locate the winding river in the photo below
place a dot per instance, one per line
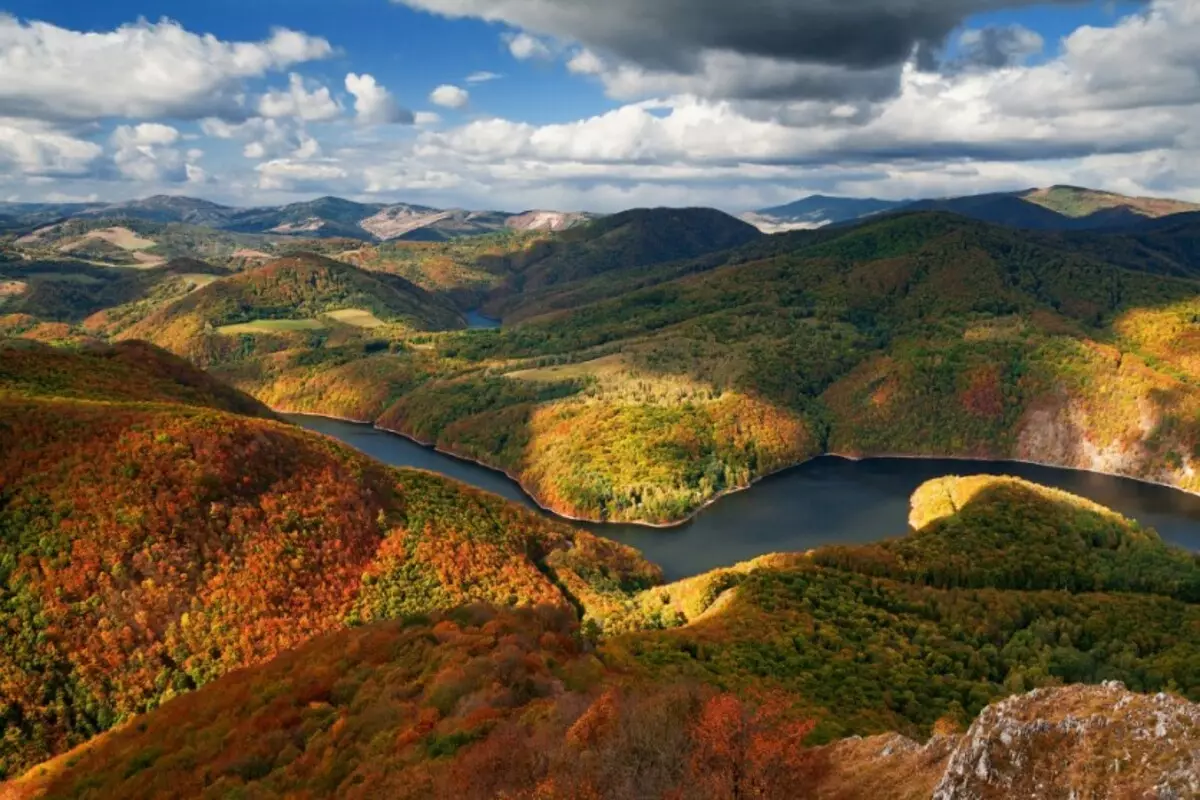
(825, 501)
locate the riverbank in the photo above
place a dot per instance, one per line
(539, 503)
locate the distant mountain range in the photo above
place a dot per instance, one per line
(1053, 208)
(326, 217)
(1057, 208)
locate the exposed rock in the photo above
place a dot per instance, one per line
(1078, 742)
(546, 220)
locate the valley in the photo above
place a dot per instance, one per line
(826, 501)
(208, 598)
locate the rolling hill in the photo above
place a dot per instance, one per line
(301, 289)
(322, 218)
(66, 290)
(1080, 203)
(817, 211)
(632, 387)
(921, 334)
(637, 238)
(779, 658)
(1055, 208)
(152, 541)
(646, 371)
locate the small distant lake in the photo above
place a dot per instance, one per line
(477, 321)
(826, 501)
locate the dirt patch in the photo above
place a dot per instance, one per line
(272, 326)
(11, 289)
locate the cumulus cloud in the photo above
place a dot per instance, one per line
(734, 129)
(141, 70)
(525, 47)
(29, 147)
(297, 101)
(585, 62)
(265, 138)
(146, 153)
(832, 48)
(374, 104)
(449, 96)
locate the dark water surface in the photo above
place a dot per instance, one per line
(826, 501)
(477, 321)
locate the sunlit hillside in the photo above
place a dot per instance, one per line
(779, 657)
(642, 393)
(150, 541)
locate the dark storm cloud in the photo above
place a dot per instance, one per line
(674, 35)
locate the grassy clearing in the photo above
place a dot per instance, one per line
(272, 326)
(600, 368)
(198, 279)
(357, 317)
(121, 237)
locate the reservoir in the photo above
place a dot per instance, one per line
(825, 501)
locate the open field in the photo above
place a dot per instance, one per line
(121, 237)
(272, 326)
(357, 317)
(609, 366)
(198, 279)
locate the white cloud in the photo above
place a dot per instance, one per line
(146, 153)
(992, 121)
(297, 101)
(265, 138)
(483, 77)
(290, 175)
(29, 147)
(585, 62)
(373, 104)
(141, 70)
(449, 96)
(525, 47)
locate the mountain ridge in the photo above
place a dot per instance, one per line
(323, 217)
(1058, 207)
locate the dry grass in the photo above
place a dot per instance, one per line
(272, 326)
(197, 280)
(11, 289)
(252, 254)
(121, 237)
(613, 366)
(357, 317)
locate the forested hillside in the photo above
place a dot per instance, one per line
(634, 383)
(920, 334)
(637, 238)
(151, 541)
(779, 657)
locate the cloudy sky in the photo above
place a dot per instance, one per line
(580, 104)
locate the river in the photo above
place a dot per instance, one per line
(826, 501)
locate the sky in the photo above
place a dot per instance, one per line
(597, 106)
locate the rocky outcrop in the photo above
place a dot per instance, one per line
(1072, 743)
(1077, 742)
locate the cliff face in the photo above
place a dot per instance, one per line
(1074, 742)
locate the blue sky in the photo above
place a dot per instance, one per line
(596, 106)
